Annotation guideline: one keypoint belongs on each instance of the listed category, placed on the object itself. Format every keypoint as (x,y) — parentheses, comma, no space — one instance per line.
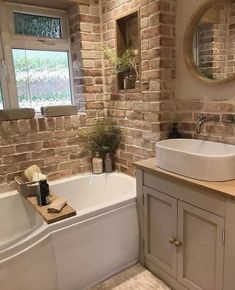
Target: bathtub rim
(73,177)
(87,174)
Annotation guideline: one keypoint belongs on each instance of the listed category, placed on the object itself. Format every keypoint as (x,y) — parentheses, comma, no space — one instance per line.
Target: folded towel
(29,172)
(57,205)
(37,176)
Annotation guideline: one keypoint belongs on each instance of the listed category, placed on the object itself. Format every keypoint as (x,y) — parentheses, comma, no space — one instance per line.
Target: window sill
(40,116)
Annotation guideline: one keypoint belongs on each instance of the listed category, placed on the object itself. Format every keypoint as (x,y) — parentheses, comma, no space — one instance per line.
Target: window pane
(42,78)
(1,98)
(35,25)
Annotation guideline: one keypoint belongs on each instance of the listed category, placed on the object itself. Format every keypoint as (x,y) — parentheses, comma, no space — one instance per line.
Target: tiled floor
(134,278)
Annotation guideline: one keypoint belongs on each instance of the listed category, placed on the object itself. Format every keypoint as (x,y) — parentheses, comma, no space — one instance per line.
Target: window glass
(42,78)
(36,25)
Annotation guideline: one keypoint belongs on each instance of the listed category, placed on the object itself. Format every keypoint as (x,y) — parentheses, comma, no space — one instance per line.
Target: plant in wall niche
(126,63)
(105,137)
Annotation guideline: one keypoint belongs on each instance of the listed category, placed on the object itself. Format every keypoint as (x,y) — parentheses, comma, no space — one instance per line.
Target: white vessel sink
(204,160)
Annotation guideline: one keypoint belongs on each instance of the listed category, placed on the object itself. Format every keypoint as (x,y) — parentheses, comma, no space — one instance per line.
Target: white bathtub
(78,252)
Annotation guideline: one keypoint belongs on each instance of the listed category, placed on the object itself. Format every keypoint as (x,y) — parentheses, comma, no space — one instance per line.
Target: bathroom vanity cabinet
(187,229)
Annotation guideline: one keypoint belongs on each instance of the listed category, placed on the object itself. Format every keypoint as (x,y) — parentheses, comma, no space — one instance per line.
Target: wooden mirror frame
(188,45)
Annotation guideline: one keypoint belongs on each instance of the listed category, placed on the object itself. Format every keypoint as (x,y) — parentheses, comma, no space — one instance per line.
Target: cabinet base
(170,281)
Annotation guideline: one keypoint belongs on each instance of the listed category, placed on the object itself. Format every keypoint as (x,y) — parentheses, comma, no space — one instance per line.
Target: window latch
(4,65)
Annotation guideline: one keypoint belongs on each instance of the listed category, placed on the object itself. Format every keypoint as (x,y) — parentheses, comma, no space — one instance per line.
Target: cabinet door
(160,226)
(200,258)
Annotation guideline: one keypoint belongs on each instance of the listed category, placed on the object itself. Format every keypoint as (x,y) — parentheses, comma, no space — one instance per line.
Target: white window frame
(3,75)
(9,41)
(33,10)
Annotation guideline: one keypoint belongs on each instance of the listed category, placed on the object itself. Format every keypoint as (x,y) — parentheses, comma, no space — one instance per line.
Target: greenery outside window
(42,78)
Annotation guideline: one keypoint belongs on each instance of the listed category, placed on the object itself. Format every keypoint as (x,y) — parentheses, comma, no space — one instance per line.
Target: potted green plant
(126,64)
(104,138)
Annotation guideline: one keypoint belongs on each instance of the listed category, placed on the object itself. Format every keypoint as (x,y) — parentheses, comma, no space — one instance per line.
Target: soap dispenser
(108,163)
(97,164)
(43,193)
(174,132)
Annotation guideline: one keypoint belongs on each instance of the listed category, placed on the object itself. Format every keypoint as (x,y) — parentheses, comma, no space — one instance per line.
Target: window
(36,52)
(42,78)
(36,25)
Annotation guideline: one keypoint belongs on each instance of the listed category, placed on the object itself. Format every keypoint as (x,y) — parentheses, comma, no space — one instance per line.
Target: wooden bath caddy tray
(50,218)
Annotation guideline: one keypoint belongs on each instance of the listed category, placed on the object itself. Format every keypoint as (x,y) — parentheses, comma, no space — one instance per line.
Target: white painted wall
(187,85)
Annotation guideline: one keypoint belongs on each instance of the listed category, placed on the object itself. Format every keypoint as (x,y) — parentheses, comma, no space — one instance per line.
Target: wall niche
(128,42)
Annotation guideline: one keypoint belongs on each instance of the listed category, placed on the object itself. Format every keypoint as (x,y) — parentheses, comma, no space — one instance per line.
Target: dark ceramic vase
(129,79)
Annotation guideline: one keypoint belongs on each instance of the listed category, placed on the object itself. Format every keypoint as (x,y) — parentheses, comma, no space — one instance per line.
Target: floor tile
(134,278)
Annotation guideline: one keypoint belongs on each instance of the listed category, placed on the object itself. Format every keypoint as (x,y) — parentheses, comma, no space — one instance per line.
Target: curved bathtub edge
(46,230)
(64,257)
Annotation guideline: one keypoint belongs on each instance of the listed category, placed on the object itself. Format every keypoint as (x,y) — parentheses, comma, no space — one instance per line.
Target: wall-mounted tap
(203,119)
(199,122)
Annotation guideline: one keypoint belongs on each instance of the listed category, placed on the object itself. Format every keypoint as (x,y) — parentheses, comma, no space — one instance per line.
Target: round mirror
(209,44)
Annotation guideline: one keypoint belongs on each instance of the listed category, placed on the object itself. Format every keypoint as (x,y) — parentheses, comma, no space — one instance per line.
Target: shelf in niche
(128,91)
(128,37)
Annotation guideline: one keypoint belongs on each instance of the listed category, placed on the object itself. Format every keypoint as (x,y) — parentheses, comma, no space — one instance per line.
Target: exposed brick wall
(87,59)
(51,143)
(143,115)
(54,143)
(190,110)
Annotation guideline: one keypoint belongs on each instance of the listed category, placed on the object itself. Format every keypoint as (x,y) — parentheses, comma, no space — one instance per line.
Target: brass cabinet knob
(172,240)
(178,243)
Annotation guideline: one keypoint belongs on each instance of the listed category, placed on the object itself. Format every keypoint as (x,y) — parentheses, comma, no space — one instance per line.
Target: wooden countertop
(224,187)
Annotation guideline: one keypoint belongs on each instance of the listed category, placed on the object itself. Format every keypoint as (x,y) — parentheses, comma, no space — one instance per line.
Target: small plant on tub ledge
(104,138)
